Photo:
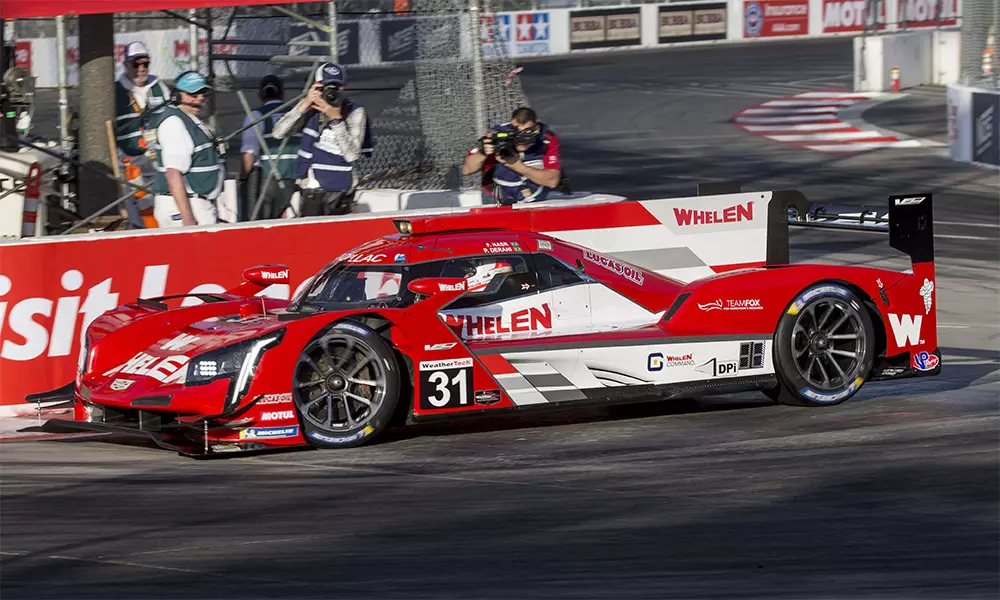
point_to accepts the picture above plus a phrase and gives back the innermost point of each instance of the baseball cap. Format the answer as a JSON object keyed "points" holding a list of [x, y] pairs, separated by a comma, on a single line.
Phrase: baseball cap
{"points": [[135, 50], [331, 72], [191, 82], [271, 81]]}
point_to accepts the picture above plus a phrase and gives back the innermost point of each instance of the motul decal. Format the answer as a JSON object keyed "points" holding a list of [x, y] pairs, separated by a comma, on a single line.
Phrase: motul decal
{"points": [[906, 329], [731, 214], [277, 415]]}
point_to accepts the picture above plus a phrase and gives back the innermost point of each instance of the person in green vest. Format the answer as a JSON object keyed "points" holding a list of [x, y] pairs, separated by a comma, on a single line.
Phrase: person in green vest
{"points": [[190, 171], [138, 93], [279, 155]]}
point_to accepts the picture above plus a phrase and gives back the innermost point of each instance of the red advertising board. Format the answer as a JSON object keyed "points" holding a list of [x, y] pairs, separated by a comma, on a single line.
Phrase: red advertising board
{"points": [[923, 13], [842, 16], [22, 55], [775, 18]]}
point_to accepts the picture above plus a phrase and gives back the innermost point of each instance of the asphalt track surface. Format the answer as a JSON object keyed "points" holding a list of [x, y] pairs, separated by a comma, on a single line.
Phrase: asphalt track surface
{"points": [[891, 495]]}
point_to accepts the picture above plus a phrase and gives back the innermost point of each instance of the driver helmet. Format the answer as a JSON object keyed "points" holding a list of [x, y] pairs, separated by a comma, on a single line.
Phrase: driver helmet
{"points": [[479, 277]]}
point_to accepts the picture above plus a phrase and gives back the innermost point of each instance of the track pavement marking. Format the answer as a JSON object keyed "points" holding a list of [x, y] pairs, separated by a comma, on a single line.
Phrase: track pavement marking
{"points": [[810, 120]]}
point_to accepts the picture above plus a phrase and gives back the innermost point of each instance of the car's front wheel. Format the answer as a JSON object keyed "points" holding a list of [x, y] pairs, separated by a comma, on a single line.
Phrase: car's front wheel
{"points": [[824, 347], [346, 386]]}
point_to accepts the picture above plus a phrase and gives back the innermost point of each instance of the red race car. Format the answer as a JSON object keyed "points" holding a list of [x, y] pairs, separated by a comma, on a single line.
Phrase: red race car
{"points": [[480, 313]]}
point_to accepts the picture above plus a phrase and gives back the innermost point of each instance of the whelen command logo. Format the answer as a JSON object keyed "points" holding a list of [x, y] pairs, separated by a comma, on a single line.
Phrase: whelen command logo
{"points": [[732, 214]]}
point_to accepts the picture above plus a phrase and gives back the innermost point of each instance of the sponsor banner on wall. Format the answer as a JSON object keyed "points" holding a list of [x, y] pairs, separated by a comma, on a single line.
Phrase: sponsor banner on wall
{"points": [[22, 55], [924, 13], [692, 23], [348, 43], [842, 16], [775, 18], [398, 40], [515, 34], [986, 128], [605, 28]]}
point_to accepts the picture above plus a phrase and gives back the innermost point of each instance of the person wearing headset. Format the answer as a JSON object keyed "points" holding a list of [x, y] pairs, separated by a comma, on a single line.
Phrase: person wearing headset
{"points": [[190, 171], [257, 165]]}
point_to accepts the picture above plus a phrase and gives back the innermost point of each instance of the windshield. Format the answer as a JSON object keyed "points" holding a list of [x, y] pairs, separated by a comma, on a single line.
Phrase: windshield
{"points": [[382, 286]]}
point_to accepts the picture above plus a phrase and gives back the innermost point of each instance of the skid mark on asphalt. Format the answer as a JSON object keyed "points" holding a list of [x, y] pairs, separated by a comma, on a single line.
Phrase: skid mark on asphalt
{"points": [[811, 120]]}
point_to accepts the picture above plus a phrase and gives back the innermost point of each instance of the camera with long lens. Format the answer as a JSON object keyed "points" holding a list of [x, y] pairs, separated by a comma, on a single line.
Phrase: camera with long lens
{"points": [[505, 143]]}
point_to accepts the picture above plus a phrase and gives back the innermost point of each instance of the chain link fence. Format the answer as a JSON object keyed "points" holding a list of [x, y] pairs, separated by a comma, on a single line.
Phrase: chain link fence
{"points": [[980, 28]]}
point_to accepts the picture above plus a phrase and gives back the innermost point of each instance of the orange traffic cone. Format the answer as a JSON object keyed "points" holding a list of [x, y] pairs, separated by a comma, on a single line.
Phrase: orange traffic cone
{"points": [[988, 54]]}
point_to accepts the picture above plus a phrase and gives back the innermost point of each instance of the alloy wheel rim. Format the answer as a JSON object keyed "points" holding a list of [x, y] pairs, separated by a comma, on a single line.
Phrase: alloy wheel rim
{"points": [[340, 383], [828, 344]]}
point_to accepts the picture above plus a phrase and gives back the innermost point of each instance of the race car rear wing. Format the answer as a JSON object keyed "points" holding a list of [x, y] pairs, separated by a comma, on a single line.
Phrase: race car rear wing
{"points": [[908, 219]]}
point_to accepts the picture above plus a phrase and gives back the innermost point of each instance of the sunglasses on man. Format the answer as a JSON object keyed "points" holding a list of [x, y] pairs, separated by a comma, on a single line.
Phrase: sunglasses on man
{"points": [[140, 63]]}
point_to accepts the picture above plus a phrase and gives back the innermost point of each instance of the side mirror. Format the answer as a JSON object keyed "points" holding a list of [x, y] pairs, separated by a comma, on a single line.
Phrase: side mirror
{"points": [[429, 286], [267, 275]]}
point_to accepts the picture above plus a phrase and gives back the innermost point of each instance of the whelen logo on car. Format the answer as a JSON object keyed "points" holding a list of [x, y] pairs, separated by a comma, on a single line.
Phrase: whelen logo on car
{"points": [[732, 214], [524, 320], [274, 274]]}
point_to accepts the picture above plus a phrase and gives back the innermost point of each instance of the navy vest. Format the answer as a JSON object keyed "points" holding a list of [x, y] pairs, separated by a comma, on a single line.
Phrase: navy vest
{"points": [[329, 166], [510, 184]]}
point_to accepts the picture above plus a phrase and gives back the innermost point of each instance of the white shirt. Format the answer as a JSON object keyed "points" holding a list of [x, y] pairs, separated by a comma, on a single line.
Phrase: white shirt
{"points": [[177, 148]]}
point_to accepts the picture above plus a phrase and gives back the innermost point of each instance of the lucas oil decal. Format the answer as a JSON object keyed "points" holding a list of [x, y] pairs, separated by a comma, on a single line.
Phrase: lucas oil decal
{"points": [[626, 271]]}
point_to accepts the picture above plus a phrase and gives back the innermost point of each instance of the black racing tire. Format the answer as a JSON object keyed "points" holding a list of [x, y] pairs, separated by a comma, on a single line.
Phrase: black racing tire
{"points": [[346, 386], [824, 347]]}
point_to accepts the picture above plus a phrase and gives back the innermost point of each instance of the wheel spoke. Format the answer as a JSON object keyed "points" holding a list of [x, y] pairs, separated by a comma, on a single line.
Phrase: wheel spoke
{"points": [[306, 406], [329, 413], [346, 354], [843, 376], [826, 378], [347, 410], [844, 336], [313, 365], [306, 384], [826, 315], [843, 353], [359, 366], [838, 324], [358, 398], [362, 382]]}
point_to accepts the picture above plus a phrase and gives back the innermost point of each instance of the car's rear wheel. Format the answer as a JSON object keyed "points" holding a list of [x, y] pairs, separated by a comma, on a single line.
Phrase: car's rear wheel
{"points": [[346, 386], [824, 347]]}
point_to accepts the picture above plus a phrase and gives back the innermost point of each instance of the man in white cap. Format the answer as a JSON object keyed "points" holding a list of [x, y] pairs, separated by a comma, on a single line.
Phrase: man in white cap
{"points": [[335, 134], [137, 94]]}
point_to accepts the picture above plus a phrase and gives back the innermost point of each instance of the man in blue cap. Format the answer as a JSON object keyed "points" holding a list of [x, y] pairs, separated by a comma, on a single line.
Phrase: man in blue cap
{"points": [[335, 135], [189, 169]]}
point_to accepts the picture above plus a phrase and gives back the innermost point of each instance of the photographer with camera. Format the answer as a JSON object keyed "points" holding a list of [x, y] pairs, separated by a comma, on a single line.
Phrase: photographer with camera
{"points": [[519, 160], [335, 134]]}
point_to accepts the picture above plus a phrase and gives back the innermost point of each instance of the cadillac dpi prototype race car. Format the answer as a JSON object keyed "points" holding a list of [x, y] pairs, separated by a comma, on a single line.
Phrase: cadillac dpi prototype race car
{"points": [[481, 312]]}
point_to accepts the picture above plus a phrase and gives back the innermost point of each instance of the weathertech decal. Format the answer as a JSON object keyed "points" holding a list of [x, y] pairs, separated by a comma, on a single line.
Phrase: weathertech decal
{"points": [[452, 363], [626, 271], [731, 214]]}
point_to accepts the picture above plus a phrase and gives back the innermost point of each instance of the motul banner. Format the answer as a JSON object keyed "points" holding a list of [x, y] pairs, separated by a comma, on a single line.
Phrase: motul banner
{"points": [[775, 18], [923, 13], [842, 16]]}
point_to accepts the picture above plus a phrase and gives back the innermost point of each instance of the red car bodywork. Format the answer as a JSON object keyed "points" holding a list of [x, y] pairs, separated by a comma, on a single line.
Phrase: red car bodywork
{"points": [[135, 356]]}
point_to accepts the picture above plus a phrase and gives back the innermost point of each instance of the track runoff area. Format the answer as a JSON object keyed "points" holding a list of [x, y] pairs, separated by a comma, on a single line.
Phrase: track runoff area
{"points": [[891, 495]]}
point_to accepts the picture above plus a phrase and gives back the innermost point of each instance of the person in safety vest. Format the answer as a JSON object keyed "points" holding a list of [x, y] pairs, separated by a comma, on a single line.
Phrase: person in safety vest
{"points": [[335, 134], [189, 168], [520, 160], [138, 93], [279, 156]]}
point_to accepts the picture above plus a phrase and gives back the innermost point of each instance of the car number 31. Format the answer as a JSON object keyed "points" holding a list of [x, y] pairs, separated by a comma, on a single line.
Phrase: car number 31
{"points": [[447, 386]]}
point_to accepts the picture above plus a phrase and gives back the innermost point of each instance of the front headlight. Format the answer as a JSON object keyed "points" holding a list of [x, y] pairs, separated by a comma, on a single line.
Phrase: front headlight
{"points": [[237, 362]]}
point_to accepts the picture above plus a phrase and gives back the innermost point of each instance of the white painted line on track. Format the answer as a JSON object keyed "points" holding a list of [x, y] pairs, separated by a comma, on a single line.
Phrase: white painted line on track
{"points": [[967, 237], [791, 119], [988, 225], [798, 127], [833, 136], [861, 147], [791, 111], [817, 102]]}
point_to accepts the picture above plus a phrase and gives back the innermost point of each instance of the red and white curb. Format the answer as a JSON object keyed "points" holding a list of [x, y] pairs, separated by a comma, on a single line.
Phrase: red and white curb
{"points": [[811, 120]]}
